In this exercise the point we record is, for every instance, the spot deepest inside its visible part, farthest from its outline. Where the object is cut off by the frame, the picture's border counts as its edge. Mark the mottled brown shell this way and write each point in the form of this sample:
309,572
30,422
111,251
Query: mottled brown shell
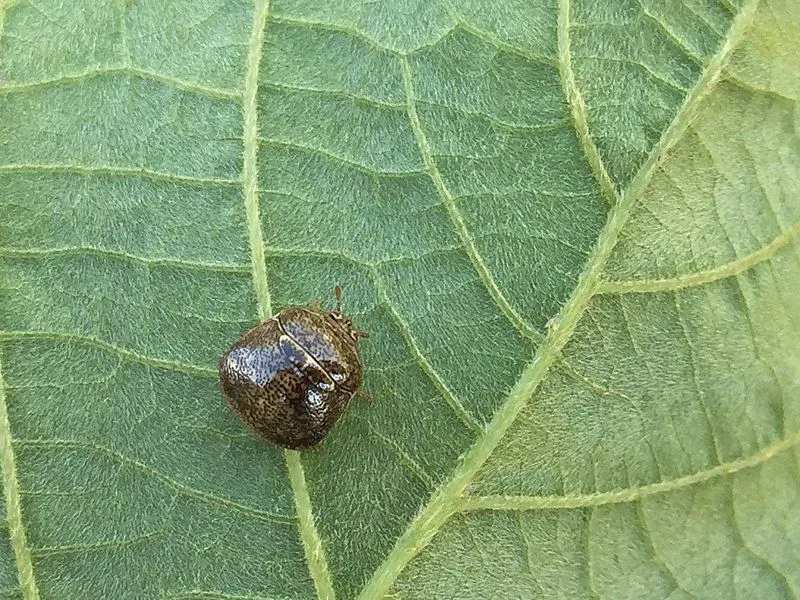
290,378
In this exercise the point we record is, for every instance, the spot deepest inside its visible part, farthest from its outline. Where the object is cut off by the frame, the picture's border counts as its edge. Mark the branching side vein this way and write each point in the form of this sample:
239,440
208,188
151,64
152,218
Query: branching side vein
441,505
524,328
730,269
578,106
630,494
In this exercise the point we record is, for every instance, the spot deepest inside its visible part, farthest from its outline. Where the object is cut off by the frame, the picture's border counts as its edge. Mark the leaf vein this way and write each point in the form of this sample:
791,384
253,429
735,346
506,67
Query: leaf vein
735,267
174,82
693,370
587,543
352,32
104,252
116,171
359,262
312,543
493,40
166,479
339,93
16,526
450,398
333,157
497,122
578,106
697,60
309,537
656,554
150,361
412,465
758,557
250,162
93,546
520,324
632,494
643,67
440,507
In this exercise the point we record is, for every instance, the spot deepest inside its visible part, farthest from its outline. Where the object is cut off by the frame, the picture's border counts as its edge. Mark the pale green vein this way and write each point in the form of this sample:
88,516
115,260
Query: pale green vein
684,47
119,254
587,530
412,465
655,551
16,526
730,269
176,485
372,265
336,93
693,100
116,171
250,167
174,82
743,541
578,106
693,374
336,158
428,521
312,544
95,546
754,88
598,389
561,122
452,400
654,76
159,363
627,495
524,328
320,25
529,545
493,40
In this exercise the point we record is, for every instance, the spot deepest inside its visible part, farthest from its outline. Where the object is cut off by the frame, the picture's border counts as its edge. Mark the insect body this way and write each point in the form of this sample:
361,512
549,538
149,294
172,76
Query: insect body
291,377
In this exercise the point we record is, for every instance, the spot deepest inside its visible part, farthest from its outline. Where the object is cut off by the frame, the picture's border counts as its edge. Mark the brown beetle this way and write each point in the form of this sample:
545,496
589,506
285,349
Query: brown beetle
291,377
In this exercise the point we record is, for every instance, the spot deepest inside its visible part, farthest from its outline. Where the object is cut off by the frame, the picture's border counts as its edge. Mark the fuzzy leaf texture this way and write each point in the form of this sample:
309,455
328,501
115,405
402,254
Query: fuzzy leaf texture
569,226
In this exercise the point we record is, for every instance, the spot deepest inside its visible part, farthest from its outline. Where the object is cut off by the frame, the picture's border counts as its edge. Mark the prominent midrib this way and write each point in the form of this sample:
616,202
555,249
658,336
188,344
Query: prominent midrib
442,504
250,166
312,545
16,526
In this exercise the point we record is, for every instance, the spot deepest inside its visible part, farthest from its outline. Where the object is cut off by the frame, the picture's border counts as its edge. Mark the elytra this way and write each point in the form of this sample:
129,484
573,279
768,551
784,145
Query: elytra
290,378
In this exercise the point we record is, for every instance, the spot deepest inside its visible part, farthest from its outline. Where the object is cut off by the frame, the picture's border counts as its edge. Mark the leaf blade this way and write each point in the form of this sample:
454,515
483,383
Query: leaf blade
425,159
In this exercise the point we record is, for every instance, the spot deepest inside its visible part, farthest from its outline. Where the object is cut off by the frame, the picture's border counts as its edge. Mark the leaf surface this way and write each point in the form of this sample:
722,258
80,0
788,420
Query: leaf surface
569,228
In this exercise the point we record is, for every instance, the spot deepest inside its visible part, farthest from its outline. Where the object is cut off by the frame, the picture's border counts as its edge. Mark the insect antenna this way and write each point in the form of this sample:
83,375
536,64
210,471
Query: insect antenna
337,291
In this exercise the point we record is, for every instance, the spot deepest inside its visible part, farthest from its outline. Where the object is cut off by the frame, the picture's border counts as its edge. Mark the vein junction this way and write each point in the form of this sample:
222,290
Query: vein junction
450,497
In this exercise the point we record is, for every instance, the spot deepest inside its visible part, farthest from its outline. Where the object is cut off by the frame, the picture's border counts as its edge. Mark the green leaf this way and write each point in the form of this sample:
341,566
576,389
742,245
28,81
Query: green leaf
569,227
